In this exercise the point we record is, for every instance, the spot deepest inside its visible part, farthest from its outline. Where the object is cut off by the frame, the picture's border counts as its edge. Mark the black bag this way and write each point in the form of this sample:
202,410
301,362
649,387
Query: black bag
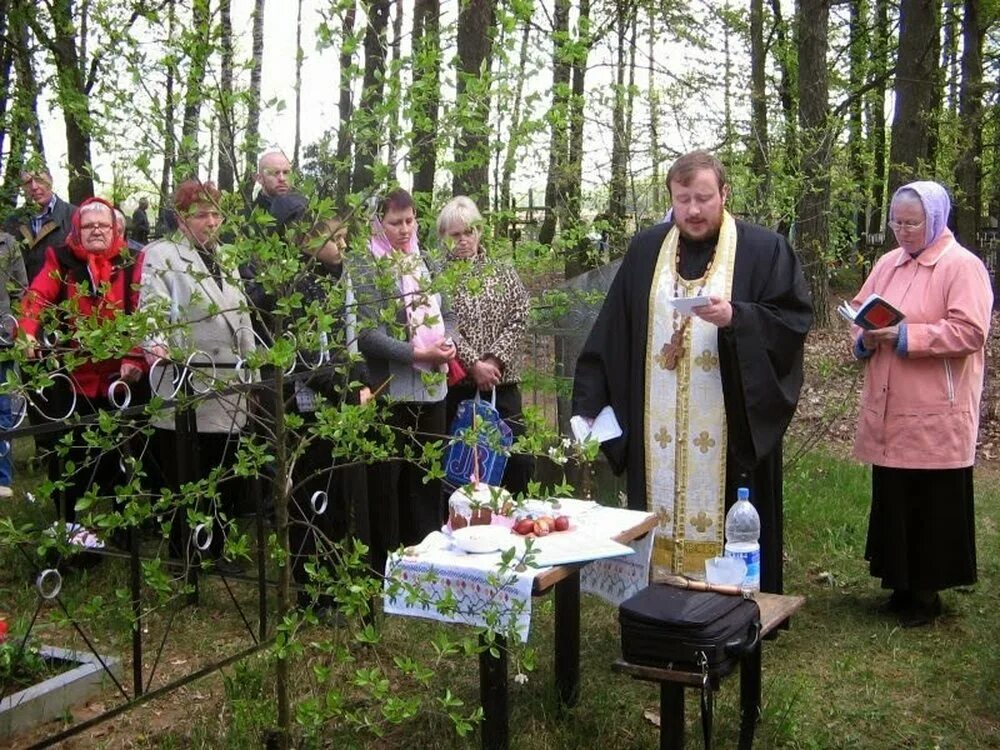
674,628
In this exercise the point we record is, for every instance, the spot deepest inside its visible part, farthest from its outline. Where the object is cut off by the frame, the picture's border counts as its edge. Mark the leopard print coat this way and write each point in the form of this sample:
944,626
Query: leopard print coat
491,308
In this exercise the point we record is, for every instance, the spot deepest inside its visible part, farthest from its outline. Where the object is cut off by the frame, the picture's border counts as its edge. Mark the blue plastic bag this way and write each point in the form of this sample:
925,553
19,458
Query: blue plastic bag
494,441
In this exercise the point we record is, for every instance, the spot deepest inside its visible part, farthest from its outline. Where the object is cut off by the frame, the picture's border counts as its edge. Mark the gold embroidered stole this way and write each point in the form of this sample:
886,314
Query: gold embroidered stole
685,438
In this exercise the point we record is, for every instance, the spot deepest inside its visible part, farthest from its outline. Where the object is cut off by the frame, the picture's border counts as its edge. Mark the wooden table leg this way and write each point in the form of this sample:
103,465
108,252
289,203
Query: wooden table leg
493,694
671,716
567,645
750,666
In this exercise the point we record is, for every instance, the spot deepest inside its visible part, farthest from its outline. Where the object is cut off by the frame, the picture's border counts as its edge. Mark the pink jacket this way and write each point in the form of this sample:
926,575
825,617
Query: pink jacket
921,410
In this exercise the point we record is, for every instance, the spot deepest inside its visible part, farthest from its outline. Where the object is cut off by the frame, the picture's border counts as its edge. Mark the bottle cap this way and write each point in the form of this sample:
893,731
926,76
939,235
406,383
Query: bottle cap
743,493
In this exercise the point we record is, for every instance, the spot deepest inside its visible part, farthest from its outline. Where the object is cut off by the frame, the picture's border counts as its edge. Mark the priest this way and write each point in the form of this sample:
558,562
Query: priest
703,391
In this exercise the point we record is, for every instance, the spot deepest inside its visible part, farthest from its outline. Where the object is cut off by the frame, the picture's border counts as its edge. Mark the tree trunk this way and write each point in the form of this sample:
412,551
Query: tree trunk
968,174
567,207
71,92
916,67
758,112
369,121
189,155
812,235
937,88
476,27
394,98
345,141
515,132
573,181
876,117
25,133
227,139
298,87
617,198
784,54
6,64
653,93
425,95
251,144
557,119
857,53
950,27
727,92
168,116
629,115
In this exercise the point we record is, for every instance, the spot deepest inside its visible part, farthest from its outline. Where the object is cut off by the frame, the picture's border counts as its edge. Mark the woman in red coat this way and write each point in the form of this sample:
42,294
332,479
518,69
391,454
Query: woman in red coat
94,277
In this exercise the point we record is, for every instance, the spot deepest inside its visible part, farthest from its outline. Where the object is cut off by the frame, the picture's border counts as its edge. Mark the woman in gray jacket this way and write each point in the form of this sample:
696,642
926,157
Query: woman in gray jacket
405,336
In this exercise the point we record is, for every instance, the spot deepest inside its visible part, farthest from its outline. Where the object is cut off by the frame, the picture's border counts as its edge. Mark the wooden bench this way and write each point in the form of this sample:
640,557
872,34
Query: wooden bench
775,610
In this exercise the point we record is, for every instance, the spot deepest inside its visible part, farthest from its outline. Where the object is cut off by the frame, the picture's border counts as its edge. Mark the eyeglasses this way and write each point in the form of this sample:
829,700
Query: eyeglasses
205,215
909,226
95,227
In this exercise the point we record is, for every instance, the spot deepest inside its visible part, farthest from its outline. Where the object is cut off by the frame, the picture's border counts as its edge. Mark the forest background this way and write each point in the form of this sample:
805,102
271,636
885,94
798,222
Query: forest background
818,109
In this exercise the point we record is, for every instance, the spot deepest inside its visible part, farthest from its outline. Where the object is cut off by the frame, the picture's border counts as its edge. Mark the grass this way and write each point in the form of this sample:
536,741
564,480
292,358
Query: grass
844,676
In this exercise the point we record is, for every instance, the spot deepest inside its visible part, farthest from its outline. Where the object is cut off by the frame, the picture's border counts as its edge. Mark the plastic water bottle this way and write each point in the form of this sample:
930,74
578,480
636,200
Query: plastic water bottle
743,537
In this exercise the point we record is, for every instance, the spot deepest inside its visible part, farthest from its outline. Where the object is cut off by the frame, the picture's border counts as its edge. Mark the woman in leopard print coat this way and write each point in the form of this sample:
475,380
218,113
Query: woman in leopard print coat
491,307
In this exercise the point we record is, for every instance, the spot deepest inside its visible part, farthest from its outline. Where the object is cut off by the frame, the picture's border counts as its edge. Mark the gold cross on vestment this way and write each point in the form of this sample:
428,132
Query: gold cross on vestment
663,437
706,360
704,442
702,521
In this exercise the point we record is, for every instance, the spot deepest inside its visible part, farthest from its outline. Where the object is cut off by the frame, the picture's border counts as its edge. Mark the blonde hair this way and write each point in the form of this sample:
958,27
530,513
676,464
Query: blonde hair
459,210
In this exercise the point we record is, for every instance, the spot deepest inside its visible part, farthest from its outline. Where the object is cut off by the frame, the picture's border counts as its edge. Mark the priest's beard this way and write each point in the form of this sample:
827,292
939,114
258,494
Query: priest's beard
708,231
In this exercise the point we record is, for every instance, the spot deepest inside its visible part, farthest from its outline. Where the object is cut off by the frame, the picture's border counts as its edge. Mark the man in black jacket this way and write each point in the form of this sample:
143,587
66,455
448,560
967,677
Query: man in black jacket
274,175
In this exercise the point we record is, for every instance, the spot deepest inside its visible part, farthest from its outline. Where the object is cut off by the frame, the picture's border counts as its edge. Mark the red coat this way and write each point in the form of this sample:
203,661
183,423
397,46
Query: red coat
58,281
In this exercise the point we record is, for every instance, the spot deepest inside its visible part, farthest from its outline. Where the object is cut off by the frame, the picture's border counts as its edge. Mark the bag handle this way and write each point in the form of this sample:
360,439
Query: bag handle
493,397
707,701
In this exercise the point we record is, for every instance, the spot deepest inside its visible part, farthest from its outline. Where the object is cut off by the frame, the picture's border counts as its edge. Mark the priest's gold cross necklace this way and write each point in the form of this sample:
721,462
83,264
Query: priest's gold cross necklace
671,352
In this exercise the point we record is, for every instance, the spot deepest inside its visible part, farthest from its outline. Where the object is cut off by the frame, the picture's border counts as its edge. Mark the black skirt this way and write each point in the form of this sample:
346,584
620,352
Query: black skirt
922,528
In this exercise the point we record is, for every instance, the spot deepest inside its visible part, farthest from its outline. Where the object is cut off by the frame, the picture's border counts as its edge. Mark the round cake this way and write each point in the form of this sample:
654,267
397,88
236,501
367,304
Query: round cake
475,505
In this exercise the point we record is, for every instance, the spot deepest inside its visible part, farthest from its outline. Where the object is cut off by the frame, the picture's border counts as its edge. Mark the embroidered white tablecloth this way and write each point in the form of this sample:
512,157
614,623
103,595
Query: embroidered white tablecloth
440,582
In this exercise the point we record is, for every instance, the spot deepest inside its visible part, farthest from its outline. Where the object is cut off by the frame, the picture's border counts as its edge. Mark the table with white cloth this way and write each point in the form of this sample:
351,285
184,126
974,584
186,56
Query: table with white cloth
606,552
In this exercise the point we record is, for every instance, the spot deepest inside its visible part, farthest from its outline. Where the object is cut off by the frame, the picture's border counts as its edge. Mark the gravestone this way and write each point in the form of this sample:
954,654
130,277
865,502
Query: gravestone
569,332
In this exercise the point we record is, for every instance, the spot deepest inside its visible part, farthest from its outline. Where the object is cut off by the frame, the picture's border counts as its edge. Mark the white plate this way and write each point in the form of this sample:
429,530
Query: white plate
482,539
685,305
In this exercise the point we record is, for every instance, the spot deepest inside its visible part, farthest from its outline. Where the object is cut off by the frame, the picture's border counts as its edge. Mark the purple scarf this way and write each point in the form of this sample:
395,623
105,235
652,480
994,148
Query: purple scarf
937,207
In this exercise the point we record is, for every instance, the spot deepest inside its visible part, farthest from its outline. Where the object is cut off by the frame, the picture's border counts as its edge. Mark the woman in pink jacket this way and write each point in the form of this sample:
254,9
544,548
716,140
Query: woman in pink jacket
919,412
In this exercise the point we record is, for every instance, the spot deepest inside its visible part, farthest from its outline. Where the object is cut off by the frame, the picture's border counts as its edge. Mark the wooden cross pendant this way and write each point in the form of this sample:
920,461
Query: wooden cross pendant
671,352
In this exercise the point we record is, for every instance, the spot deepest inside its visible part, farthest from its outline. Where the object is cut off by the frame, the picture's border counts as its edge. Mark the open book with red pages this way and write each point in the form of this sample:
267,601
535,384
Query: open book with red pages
874,313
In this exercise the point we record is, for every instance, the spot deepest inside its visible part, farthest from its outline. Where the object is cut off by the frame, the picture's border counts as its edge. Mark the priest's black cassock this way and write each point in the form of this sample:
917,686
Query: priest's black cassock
760,355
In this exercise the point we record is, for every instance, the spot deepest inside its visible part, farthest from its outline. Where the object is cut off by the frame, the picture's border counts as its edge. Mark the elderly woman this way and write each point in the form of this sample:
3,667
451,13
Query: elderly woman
93,275
194,298
919,412
491,317
405,335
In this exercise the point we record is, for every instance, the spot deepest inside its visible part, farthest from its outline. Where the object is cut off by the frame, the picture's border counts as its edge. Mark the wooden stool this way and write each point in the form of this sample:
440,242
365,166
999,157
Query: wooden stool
775,610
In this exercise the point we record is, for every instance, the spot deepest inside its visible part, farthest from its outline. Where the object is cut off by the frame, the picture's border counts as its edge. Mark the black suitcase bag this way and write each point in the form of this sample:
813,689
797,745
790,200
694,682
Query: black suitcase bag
674,628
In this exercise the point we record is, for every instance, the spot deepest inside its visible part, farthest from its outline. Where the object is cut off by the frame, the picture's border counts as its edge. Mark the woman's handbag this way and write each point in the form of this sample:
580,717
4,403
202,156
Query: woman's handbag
487,459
